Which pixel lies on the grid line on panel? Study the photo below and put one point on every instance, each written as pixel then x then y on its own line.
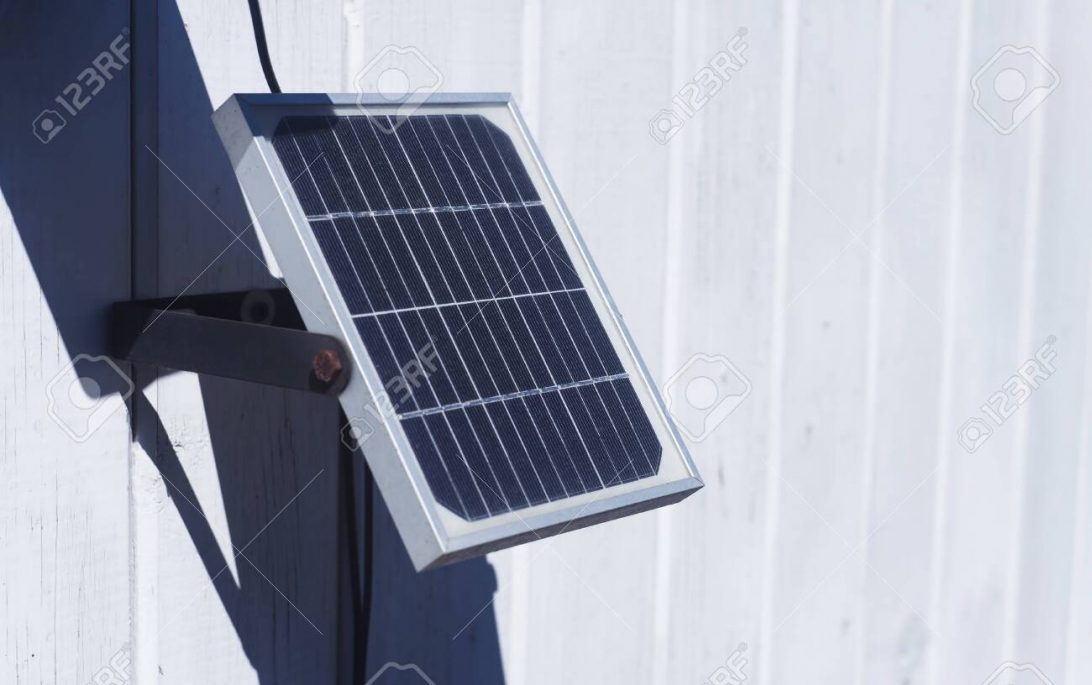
pixel 536 266
pixel 454 490
pixel 568 410
pixel 500 344
pixel 477 222
pixel 365 214
pixel 594 348
pixel 568 434
pixel 475 431
pixel 522 442
pixel 572 411
pixel 470 302
pixel 539 433
pixel 518 411
pixel 512 395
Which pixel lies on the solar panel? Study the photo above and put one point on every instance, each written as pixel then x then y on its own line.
pixel 512 401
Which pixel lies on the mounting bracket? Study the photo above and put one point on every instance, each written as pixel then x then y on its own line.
pixel 256 336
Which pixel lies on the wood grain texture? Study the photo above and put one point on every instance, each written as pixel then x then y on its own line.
pixel 838 222
pixel 908 240
pixel 824 469
pixel 980 489
pixel 445 621
pixel 1049 544
pixel 246 566
pixel 64 256
pixel 723 258
pixel 597 87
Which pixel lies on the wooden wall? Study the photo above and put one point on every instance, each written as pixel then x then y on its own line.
pixel 64 255
pixel 838 222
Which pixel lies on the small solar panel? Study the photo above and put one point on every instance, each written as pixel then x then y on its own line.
pixel 513 404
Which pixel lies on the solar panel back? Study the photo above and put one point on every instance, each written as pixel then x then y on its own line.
pixel 499 395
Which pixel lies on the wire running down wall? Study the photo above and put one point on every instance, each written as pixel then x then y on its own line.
pixel 861 257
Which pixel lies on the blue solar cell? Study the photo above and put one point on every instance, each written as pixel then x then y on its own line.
pixel 445 147
pixel 541 487
pixel 451 267
pixel 526 276
pixel 493 162
pixel 342 266
pixel 510 160
pixel 438 436
pixel 498 459
pixel 552 409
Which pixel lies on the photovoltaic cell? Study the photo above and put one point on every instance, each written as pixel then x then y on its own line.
pixel 500 371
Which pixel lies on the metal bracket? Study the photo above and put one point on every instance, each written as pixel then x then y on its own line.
pixel 256 336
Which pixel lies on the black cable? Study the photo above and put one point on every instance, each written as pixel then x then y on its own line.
pixel 360 566
pixel 364 624
pixel 263 47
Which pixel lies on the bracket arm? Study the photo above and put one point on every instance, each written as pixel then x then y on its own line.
pixel 254 336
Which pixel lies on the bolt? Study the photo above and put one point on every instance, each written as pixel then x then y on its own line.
pixel 327 365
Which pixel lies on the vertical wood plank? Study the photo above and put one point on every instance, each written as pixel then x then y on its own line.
pixel 786 141
pixel 242 468
pixel 600 83
pixel 720 289
pixel 867 546
pixel 1045 573
pixel 145 496
pixel 1078 665
pixel 64 243
pixel 983 312
pixel 446 621
pixel 818 574
pixel 908 240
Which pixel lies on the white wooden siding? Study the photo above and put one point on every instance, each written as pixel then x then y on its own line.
pixel 837 221
pixel 64 256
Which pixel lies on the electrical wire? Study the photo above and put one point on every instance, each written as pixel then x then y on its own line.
pixel 263 47
pixel 364 618
pixel 358 563
pixel 361 561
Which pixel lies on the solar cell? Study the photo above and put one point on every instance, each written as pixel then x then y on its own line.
pixel 442 248
pixel 499 396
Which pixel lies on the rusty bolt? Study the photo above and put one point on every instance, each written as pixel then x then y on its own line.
pixel 327 365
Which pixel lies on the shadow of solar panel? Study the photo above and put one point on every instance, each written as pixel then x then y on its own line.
pixel 506 383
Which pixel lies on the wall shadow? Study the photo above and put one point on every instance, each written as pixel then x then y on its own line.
pixel 275 453
pixel 442 620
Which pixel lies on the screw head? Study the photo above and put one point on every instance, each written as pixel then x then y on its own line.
pixel 327 365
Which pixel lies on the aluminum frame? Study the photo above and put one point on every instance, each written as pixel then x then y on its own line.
pixel 432 535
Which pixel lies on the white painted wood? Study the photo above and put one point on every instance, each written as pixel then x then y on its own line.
pixel 597 82
pixel 818 576
pixel 248 475
pixel 1078 666
pixel 844 534
pixel 64 243
pixel 908 240
pixel 1053 513
pixel 982 490
pixel 445 621
pixel 721 268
